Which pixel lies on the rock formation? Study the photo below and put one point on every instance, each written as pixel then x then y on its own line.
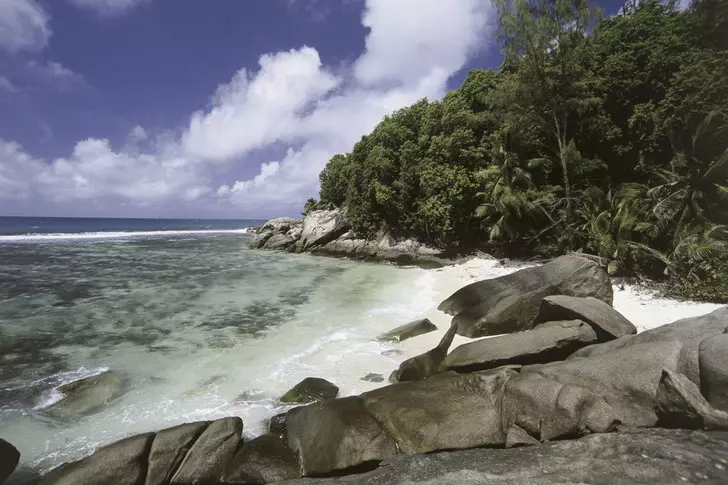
pixel 408 331
pixel 546 343
pixel 511 303
pixel 328 232
pixel 86 395
pixel 309 390
pixel 9 458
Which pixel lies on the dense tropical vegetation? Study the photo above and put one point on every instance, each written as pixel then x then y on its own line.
pixel 602 135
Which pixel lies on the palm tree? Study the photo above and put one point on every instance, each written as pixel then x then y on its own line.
pixel 511 204
pixel 693 191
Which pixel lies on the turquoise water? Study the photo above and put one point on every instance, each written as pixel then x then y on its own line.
pixel 197 325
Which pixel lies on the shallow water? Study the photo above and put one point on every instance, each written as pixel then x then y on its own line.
pixel 198 326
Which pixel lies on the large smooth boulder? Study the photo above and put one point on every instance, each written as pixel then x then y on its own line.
pixel 120 463
pixel 169 448
pixel 424 365
pixel 278 242
pixel 511 303
pixel 408 330
pixel 679 404
pixel 443 412
pixel 607 322
pixel 209 456
pixel 647 457
pixel 277 425
pixel 260 238
pixel 266 459
pixel 714 370
pixel 86 396
pixel 322 227
pixel 549 342
pixel 615 381
pixel 336 435
pixel 311 389
pixel 547 409
pixel 9 458
pixel 688 332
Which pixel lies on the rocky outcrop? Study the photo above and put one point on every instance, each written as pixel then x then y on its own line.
pixel 274 231
pixel 384 248
pixel 277 425
pixel 122 463
pixel 336 435
pixel 266 459
pixel 424 365
pixel 408 330
pixel 311 389
pixel 713 364
pixel 328 232
pixel 372 377
pixel 512 302
pixel 169 448
pixel 321 227
pixel 9 458
pixel 607 322
pixel 625 373
pixel 209 456
pixel 651 456
pixel 442 413
pixel 546 343
pixel 679 404
pixel 86 396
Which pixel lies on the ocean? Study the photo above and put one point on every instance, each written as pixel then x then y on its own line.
pixel 197 325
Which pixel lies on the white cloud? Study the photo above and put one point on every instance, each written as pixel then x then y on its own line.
pixel 23 26
pixel 108 8
pixel 94 172
pixel 6 86
pixel 253 111
pixel 17 171
pixel 137 135
pixel 56 75
pixel 410 38
pixel 292 103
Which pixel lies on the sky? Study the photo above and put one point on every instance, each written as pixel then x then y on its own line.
pixel 211 108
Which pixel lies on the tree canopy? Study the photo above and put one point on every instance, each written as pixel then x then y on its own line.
pixel 603 135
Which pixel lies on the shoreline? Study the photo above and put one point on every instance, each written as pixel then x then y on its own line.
pixel 640 306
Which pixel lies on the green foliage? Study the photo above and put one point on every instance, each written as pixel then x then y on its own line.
pixel 709 281
pixel 603 136
pixel 316 205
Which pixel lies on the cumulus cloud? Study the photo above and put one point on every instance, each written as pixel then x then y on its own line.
pixel 17 171
pixel 23 26
pixel 411 38
pixel 291 104
pixel 108 8
pixel 95 171
pixel 255 110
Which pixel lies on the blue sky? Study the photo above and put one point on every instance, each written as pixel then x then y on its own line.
pixel 216 108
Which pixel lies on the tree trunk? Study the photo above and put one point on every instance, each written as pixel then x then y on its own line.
pixel 567 184
pixel 560 132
